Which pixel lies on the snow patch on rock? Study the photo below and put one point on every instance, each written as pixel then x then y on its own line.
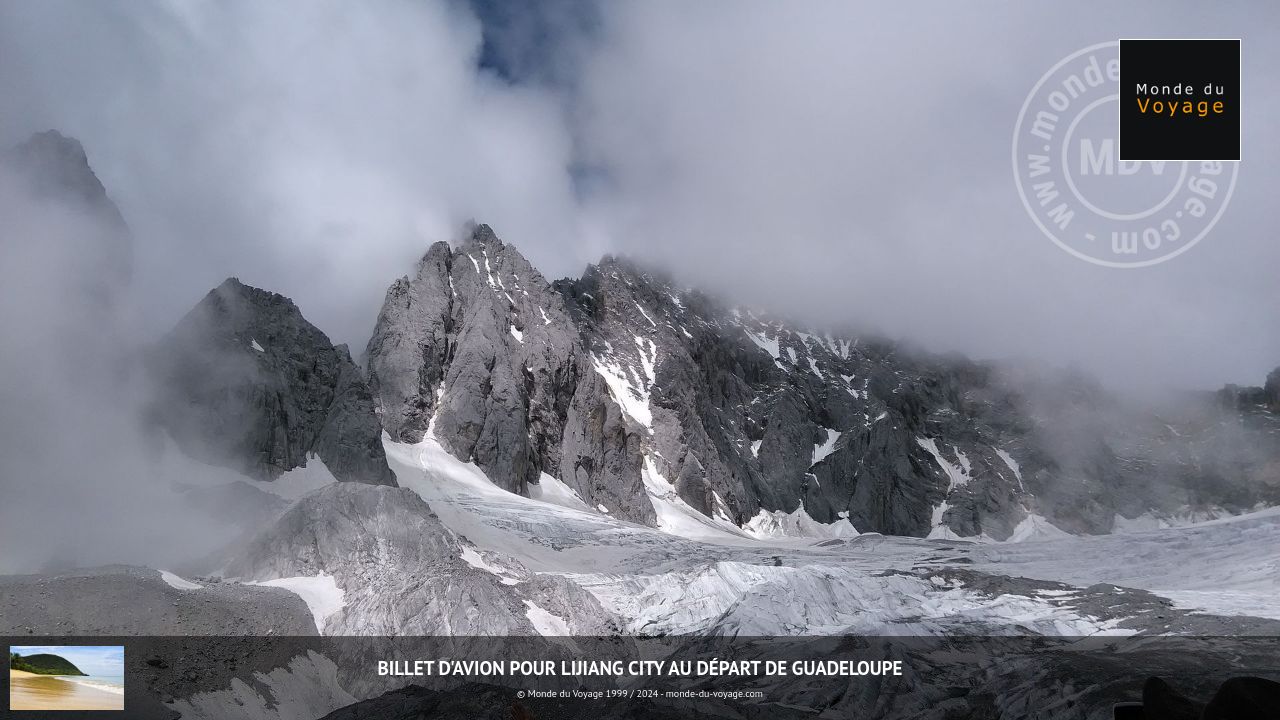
pixel 798 523
pixel 321 594
pixel 646 315
pixel 547 624
pixel 826 447
pixel 631 396
pixel 768 345
pixel 176 582
pixel 551 490
pixel 957 476
pixel 677 517
pixel 1036 528
pixel 1013 465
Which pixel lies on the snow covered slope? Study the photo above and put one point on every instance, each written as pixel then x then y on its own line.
pixel 1229 566
pixel 373 560
pixel 720 581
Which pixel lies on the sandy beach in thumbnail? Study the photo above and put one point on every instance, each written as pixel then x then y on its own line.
pixel 28 691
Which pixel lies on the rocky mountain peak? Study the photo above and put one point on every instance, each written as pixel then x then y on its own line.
pixel 481 235
pixel 660 405
pixel 53 162
pixel 54 169
pixel 245 381
pixel 237 305
pixel 56 166
pixel 470 347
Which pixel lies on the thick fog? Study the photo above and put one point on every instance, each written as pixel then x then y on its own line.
pixel 81 482
pixel 840 163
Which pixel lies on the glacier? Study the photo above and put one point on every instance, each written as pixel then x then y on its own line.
pixel 790 575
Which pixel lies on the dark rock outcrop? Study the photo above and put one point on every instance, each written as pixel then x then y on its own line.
pixel 244 381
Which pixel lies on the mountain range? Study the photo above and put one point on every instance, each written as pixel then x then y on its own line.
pixel 652 402
pixel 619 456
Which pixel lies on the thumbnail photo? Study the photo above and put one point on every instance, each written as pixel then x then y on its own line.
pixel 66 677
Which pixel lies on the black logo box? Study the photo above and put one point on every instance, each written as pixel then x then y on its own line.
pixel 1187 68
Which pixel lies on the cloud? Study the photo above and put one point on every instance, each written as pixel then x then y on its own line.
pixel 90 659
pixel 79 485
pixel 315 149
pixel 836 162
pixel 849 162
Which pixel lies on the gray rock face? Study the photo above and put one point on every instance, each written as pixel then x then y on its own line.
pixel 478 347
pixel 408 352
pixel 604 451
pixel 629 389
pixel 404 573
pixel 244 381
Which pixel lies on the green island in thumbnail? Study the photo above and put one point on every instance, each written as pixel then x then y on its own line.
pixel 43 664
